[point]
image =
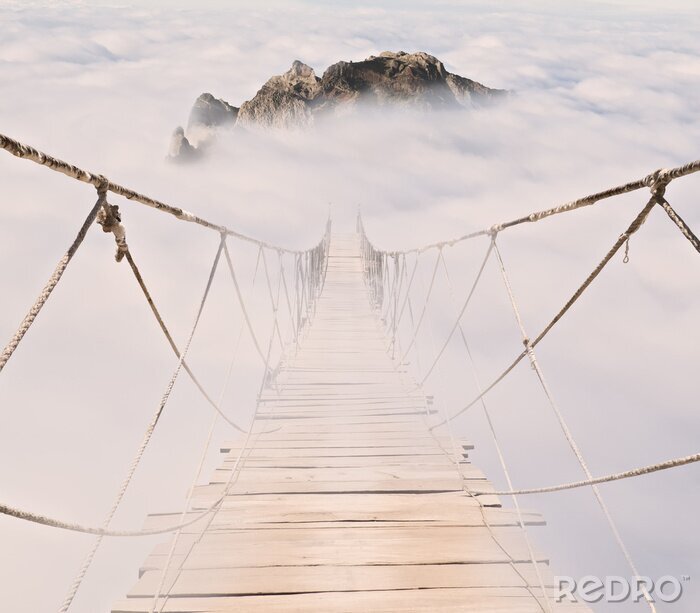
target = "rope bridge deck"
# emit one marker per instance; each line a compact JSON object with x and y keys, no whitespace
{"x":343,"y":499}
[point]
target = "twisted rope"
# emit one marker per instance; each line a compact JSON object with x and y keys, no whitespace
{"x":660,"y":177}
{"x":682,"y":226}
{"x":27,"y":152}
{"x":54,"y":278}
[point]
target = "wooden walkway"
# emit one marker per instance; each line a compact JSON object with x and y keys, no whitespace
{"x":352,"y":504}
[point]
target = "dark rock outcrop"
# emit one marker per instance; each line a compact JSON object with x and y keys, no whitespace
{"x":180,"y":148}
{"x":296,"y":98}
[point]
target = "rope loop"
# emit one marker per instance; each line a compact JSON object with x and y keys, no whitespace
{"x":626,"y":259}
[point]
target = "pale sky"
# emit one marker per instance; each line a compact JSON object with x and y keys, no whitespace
{"x":606,"y":93}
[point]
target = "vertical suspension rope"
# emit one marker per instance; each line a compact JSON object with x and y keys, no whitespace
{"x":54,"y":278}
{"x":494,"y":437}
{"x":75,"y":585}
{"x":565,"y":429}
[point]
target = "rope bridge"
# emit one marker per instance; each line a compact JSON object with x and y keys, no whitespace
{"x":345,"y":317}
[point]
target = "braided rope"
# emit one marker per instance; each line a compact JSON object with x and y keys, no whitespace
{"x":53,"y":279}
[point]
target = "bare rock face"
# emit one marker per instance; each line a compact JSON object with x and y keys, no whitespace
{"x":416,"y":81}
{"x":285,"y":101}
{"x":180,"y":148}
{"x":208,"y":115}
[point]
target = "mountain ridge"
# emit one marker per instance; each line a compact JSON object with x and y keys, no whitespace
{"x":298,"y":97}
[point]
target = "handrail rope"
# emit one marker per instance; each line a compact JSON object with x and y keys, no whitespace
{"x":54,"y":278}
{"x":462,"y":310}
{"x":627,"y":474}
{"x":52,"y":522}
{"x":661,"y":176}
{"x":146,"y":439}
{"x":235,"y":471}
{"x":27,"y":152}
{"x":565,"y":428}
{"x":633,"y":227}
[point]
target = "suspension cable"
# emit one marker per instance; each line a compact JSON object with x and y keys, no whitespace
{"x":27,"y":152}
{"x":659,"y":177}
{"x":55,"y":277}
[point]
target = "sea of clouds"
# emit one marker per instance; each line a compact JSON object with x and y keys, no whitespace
{"x":605,"y":93}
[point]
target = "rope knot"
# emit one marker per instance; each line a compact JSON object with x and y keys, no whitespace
{"x":657,"y":182}
{"x":102,"y":186}
{"x":494,"y":230}
{"x":110,"y":220}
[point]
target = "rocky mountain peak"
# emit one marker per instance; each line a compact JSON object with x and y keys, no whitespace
{"x":297,"y":97}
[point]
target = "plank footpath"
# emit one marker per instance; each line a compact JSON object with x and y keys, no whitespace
{"x":345,"y":500}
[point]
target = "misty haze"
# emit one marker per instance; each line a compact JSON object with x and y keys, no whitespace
{"x":350,"y":274}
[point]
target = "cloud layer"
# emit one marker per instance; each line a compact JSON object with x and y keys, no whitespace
{"x":605,"y":94}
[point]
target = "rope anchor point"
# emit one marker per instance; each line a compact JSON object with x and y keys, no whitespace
{"x":110,"y":220}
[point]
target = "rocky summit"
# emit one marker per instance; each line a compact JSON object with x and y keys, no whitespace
{"x":297,"y":98}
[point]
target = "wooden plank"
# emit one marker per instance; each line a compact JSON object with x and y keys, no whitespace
{"x":244,"y":581}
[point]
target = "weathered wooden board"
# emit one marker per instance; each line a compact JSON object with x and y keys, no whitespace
{"x":244,"y":581}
